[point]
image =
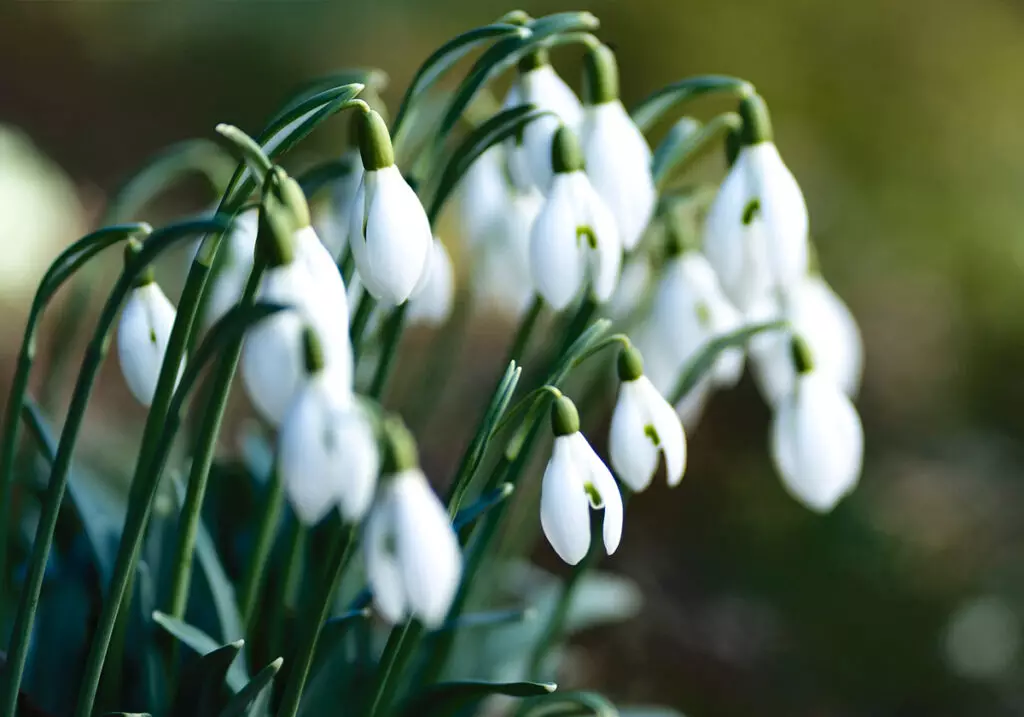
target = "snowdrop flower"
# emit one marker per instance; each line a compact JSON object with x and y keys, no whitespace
{"x":335,"y":220}
{"x":501,"y":264}
{"x":142,"y":335}
{"x":576,"y":481}
{"x":643,"y":427}
{"x":389,"y":232}
{"x":755,"y":234}
{"x":816,"y":313}
{"x":817,"y":441}
{"x":574,"y":242}
{"x":483,"y":195}
{"x":538,"y":84}
{"x":327,"y":453}
{"x":432,"y":299}
{"x":413,"y":562}
{"x":617,"y":156}
{"x":233,"y":270}
{"x":273,"y":368}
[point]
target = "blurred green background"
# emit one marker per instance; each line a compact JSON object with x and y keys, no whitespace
{"x":902,"y":122}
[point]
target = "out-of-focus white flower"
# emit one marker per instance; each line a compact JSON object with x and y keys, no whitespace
{"x":431,"y":302}
{"x":389,"y":232}
{"x":142,"y":335}
{"x":314,"y":256}
{"x":817,"y":441}
{"x":334,"y":220}
{"x":327,"y":454}
{"x":632,"y":290}
{"x":755,"y":234}
{"x":617,"y":157}
{"x":501,"y":263}
{"x":575,"y":481}
{"x":816,"y":313}
{"x":644,"y":426}
{"x":235,"y":260}
{"x":575,"y":241}
{"x":538,"y":84}
{"x":483,"y":196}
{"x":413,"y":561}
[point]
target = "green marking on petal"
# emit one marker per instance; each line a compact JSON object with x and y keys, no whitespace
{"x":751,"y":211}
{"x":703,"y":313}
{"x":595,"y":498}
{"x":588,"y":234}
{"x":651,"y":432}
{"x":152,"y":336}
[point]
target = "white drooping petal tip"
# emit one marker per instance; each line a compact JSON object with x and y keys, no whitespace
{"x":644,"y":426}
{"x":575,"y":481}
{"x":432,"y":299}
{"x":142,"y":336}
{"x":327,"y":454}
{"x":390,"y":236}
{"x":412,"y":553}
{"x":817,"y":443}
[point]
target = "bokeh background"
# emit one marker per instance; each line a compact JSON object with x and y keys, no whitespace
{"x":902,"y":122}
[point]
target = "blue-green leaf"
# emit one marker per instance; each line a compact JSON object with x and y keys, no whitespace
{"x":248,"y":694}
{"x":650,"y":110}
{"x":465,"y":517}
{"x":204,"y":645}
{"x":566,"y":704}
{"x":448,"y":698}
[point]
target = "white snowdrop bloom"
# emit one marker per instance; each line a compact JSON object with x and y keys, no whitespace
{"x":644,"y":426}
{"x":574,"y":242}
{"x":616,"y":155}
{"x":318,"y":261}
{"x":663,"y":366}
{"x":432,"y":300}
{"x":389,"y":232}
{"x":483,"y":196}
{"x":690,"y":311}
{"x":142,"y":335}
{"x":755,"y":234}
{"x":327,"y":453}
{"x":501,"y":264}
{"x":235,"y":260}
{"x":334,"y":220}
{"x":576,"y":481}
{"x":632,"y":290}
{"x":538,"y":84}
{"x":817,"y":441}
{"x":413,"y":562}
{"x":816,"y":313}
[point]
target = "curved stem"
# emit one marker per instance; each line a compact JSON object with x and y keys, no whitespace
{"x":253,"y":581}
{"x":389,"y":351}
{"x":303,"y":660}
{"x":652,"y":108}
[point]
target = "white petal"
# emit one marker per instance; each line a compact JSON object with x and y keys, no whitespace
{"x":428,"y":549}
{"x":819,"y":315}
{"x":817,"y":443}
{"x":631,"y":291}
{"x":142,"y":335}
{"x":672,"y":439}
{"x":224,"y":291}
{"x":601,"y":479}
{"x":483,"y":195}
{"x":690,"y":408}
{"x":334,"y":224}
{"x":564,"y":507}
{"x":634,"y":455}
{"x":382,"y":569}
{"x":556,"y":261}
{"x":322,"y":267}
{"x":548,"y":91}
{"x":618,"y":162}
{"x":501,"y":265}
{"x":397,"y":239}
{"x":604,"y":260}
{"x":536,"y":151}
{"x":431,"y":302}
{"x":783,"y":214}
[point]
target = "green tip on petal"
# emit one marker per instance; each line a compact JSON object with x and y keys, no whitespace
{"x":374,"y":141}
{"x":600,"y":75}
{"x":757,"y":122}
{"x":566,"y":154}
{"x":131,"y":250}
{"x":630,"y":364}
{"x":565,"y":419}
{"x":283,"y":211}
{"x":400,"y":452}
{"x":534,"y":60}
{"x":312,"y":351}
{"x":803,"y":361}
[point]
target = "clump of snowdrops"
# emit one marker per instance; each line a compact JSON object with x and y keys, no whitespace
{"x":362,"y":590}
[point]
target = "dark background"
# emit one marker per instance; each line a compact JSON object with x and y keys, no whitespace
{"x":902,"y":121}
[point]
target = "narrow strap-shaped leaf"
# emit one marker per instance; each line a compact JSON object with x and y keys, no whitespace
{"x":248,"y":694}
{"x":320,"y":175}
{"x":442,"y":60}
{"x":299,"y":102}
{"x":448,"y":698}
{"x":682,"y":147}
{"x":465,"y":517}
{"x":189,"y":635}
{"x":650,"y":110}
{"x":703,"y":361}
{"x":201,"y":690}
{"x":75,"y":256}
{"x":491,"y":618}
{"x":572,"y":704}
{"x":497,"y":129}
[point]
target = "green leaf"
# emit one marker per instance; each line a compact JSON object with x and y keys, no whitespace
{"x":650,"y":110}
{"x":703,"y":362}
{"x":71,"y":259}
{"x":201,"y":691}
{"x":320,"y":175}
{"x":506,"y":53}
{"x":465,"y":517}
{"x":165,"y":237}
{"x":497,"y":129}
{"x":201,"y":156}
{"x":493,"y":618}
{"x":687,"y":141}
{"x":565,"y":704}
{"x":644,"y":711}
{"x":190,"y":635}
{"x":442,"y":60}
{"x":448,"y":698}
{"x":248,"y":694}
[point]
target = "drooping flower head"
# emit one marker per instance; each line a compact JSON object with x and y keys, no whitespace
{"x":574,"y":243}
